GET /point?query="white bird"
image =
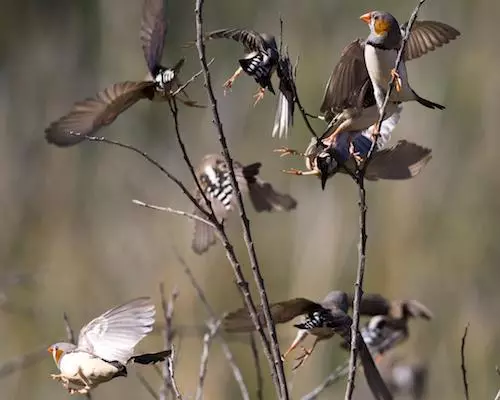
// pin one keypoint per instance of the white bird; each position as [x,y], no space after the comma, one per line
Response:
[105,347]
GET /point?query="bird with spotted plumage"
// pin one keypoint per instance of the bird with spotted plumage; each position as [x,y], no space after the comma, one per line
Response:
[214,178]
[105,347]
[86,117]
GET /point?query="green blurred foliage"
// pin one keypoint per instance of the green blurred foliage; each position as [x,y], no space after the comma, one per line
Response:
[69,223]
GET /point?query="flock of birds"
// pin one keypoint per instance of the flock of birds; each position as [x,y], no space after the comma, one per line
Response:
[353,97]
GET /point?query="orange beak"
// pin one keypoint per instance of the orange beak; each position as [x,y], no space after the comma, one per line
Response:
[366,17]
[49,349]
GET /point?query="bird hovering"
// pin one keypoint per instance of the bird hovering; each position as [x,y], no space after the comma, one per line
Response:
[105,347]
[356,88]
[88,116]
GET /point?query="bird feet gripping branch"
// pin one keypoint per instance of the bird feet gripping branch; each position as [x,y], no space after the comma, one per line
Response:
[398,83]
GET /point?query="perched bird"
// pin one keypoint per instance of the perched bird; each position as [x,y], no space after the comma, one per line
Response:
[322,320]
[404,160]
[354,93]
[88,116]
[260,60]
[215,181]
[105,347]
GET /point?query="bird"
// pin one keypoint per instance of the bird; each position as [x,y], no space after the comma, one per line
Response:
[403,160]
[260,60]
[407,378]
[283,119]
[322,320]
[354,92]
[214,178]
[86,117]
[105,347]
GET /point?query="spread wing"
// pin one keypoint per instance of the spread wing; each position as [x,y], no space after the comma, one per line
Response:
[88,116]
[113,335]
[347,79]
[427,36]
[253,41]
[153,31]
[282,312]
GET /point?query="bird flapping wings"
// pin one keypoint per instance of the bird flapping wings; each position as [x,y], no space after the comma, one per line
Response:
[152,33]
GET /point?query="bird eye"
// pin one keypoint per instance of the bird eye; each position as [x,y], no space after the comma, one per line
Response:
[375,17]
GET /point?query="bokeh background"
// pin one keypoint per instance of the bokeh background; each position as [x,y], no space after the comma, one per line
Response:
[72,241]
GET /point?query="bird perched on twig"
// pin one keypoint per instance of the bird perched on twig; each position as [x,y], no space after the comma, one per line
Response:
[322,320]
[356,88]
[404,160]
[214,178]
[105,347]
[260,60]
[88,116]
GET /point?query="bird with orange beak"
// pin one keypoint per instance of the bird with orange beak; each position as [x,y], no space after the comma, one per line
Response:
[105,347]
[357,86]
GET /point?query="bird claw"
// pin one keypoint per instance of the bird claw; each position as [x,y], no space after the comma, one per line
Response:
[228,85]
[258,96]
[293,171]
[285,151]
[398,83]
[355,154]
[302,358]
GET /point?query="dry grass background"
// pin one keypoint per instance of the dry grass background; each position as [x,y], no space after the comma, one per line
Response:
[68,222]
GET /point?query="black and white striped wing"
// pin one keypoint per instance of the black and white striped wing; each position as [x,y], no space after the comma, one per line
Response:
[251,40]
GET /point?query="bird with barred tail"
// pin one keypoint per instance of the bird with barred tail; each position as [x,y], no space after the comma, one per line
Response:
[105,347]
[356,88]
[323,320]
[88,116]
[215,181]
[404,160]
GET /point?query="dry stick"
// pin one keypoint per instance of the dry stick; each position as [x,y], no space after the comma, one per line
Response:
[258,368]
[462,364]
[238,376]
[191,80]
[275,361]
[207,341]
[168,312]
[338,373]
[71,338]
[358,287]
[145,384]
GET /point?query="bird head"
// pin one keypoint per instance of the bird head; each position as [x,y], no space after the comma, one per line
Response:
[59,349]
[384,28]
[327,165]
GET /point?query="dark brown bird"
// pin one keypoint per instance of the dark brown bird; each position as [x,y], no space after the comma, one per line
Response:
[260,60]
[214,178]
[355,92]
[88,116]
[285,108]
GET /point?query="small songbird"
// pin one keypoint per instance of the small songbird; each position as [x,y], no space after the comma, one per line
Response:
[215,181]
[354,93]
[407,378]
[404,160]
[105,347]
[260,60]
[382,46]
[283,119]
[88,116]
[322,320]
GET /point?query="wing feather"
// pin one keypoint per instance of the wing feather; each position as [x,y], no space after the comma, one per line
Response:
[153,31]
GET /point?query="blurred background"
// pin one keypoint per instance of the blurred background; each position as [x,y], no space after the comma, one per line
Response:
[72,241]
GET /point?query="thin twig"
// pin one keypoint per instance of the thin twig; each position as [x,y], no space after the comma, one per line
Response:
[207,341]
[339,372]
[145,384]
[275,361]
[462,363]
[258,368]
[71,338]
[238,376]
[497,397]
[18,363]
[190,80]
[168,368]
[173,211]
[358,287]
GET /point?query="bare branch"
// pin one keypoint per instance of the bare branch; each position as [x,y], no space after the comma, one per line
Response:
[225,348]
[191,80]
[275,361]
[358,287]
[173,211]
[462,364]
[258,368]
[170,364]
[207,340]
[145,384]
[338,373]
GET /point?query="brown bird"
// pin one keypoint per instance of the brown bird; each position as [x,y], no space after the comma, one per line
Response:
[356,88]
[322,320]
[88,116]
[260,60]
[214,178]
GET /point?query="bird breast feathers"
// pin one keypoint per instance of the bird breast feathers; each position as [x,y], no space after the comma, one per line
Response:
[92,367]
